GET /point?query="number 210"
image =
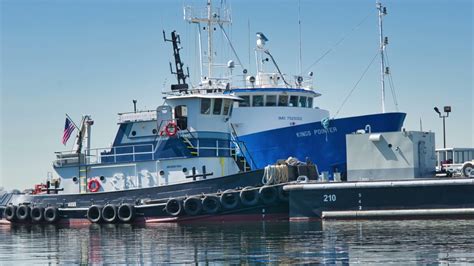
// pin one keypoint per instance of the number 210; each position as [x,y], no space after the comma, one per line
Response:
[329,197]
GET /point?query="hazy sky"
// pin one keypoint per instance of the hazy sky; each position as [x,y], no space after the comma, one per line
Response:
[95,56]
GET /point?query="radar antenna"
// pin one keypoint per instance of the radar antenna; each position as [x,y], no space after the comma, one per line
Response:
[182,86]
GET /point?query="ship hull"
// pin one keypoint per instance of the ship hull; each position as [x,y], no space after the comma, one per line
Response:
[324,146]
[150,203]
[418,198]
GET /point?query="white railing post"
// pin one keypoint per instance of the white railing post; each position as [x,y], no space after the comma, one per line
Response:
[133,153]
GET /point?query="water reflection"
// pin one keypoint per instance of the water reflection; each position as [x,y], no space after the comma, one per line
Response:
[264,242]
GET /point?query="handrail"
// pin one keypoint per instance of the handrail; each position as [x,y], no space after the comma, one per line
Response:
[238,142]
[96,156]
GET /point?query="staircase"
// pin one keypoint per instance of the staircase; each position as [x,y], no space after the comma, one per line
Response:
[192,149]
[242,163]
[82,177]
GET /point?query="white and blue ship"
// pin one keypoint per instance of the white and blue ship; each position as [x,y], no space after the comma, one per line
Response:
[279,115]
[175,163]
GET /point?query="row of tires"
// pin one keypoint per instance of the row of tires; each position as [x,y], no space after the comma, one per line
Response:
[125,213]
[228,200]
[111,213]
[25,213]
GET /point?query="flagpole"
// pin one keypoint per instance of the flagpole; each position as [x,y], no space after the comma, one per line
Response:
[70,119]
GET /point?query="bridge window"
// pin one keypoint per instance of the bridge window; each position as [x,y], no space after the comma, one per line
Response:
[257,100]
[294,101]
[310,102]
[302,101]
[283,100]
[271,100]
[217,107]
[227,104]
[205,106]
[245,102]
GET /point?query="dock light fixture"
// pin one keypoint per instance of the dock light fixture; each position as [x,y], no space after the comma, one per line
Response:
[447,110]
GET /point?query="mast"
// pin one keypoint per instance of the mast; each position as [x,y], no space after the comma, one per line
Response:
[300,61]
[382,12]
[210,18]
[209,39]
[182,86]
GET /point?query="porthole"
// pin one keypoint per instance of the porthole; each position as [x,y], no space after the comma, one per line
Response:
[185,170]
[102,178]
[74,179]
[134,133]
[162,172]
[154,131]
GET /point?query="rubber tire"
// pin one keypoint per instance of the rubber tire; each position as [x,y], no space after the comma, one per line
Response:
[247,192]
[268,195]
[51,214]
[23,213]
[465,169]
[126,213]
[109,217]
[192,206]
[94,214]
[173,207]
[211,204]
[10,213]
[229,195]
[37,214]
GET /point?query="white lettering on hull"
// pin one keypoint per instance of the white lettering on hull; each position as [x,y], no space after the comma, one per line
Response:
[315,132]
[291,118]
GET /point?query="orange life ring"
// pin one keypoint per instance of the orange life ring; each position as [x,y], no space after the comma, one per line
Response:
[171,129]
[93,185]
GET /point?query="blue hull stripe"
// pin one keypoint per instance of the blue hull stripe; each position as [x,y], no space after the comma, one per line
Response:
[326,148]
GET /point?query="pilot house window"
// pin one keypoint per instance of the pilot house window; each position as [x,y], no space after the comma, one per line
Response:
[217,107]
[302,101]
[293,101]
[257,100]
[245,102]
[271,100]
[283,100]
[205,106]
[227,104]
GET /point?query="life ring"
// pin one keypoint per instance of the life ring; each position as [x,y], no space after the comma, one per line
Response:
[171,129]
[93,185]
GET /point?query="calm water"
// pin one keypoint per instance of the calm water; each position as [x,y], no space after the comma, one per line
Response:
[446,241]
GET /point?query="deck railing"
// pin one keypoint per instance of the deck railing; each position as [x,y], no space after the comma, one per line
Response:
[129,153]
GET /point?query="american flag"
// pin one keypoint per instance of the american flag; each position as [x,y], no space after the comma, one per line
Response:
[68,129]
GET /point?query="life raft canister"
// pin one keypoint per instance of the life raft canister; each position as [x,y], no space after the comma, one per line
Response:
[93,185]
[171,129]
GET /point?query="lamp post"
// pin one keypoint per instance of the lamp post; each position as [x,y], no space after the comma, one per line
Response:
[447,110]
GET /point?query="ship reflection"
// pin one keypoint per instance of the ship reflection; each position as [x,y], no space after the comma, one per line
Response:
[340,242]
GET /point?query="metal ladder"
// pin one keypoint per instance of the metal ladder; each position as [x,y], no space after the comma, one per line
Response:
[82,175]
